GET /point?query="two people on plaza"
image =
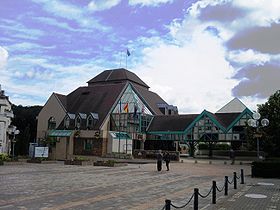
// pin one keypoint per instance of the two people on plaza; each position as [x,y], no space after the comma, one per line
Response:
[160,158]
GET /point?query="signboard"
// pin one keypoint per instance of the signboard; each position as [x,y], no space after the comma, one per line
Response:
[41,151]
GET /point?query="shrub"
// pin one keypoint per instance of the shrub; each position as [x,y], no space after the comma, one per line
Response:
[4,157]
[80,158]
[266,169]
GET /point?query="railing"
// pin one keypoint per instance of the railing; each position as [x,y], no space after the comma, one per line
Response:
[196,194]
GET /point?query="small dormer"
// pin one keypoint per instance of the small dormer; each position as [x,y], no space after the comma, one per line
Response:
[51,123]
[80,121]
[92,120]
[69,121]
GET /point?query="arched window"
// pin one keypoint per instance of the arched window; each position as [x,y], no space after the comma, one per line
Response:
[51,123]
[78,122]
[67,122]
[90,122]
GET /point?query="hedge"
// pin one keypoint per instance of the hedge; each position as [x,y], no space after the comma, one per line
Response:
[266,169]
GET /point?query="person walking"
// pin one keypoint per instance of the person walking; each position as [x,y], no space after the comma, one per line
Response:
[232,156]
[159,160]
[167,160]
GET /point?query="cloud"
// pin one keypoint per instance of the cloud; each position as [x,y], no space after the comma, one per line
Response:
[248,57]
[152,3]
[3,57]
[258,81]
[72,12]
[99,5]
[262,39]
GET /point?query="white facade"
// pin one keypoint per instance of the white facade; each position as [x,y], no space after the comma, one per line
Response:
[6,114]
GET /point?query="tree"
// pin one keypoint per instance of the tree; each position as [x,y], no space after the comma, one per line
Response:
[271,137]
[25,120]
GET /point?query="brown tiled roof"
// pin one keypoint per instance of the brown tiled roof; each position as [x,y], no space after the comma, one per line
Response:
[171,122]
[62,99]
[226,118]
[98,99]
[151,98]
[116,76]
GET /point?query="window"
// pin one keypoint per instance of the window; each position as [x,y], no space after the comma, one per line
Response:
[88,144]
[51,123]
[90,122]
[78,122]
[67,122]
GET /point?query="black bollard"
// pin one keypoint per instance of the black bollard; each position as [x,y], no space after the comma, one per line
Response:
[195,202]
[214,187]
[167,204]
[226,185]
[234,180]
[242,176]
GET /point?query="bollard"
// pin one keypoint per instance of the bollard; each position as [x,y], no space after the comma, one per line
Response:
[195,202]
[226,185]
[242,176]
[214,187]
[234,180]
[167,204]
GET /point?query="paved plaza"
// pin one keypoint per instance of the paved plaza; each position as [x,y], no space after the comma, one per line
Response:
[136,186]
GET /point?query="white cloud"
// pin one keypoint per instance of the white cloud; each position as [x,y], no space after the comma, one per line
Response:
[3,57]
[152,3]
[194,75]
[248,57]
[99,5]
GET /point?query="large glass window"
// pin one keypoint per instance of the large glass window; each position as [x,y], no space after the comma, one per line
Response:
[51,123]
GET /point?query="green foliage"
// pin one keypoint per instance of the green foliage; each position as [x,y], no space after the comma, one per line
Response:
[270,141]
[25,120]
[4,157]
[203,146]
[81,158]
[266,169]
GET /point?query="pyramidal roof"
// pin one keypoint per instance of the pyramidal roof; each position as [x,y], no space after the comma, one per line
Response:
[235,105]
[116,76]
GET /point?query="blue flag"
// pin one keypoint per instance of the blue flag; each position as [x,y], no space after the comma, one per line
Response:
[127,52]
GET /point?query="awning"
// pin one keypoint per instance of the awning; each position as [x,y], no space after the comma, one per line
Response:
[60,133]
[119,135]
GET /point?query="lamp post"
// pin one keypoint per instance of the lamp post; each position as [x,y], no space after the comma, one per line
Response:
[12,130]
[257,122]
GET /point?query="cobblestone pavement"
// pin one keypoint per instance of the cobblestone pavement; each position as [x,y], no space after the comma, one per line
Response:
[136,186]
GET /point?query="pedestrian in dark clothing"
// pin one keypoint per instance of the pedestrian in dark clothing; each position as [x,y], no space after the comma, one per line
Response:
[232,156]
[166,158]
[159,161]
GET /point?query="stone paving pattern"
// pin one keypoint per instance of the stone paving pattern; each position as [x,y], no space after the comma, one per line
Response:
[136,186]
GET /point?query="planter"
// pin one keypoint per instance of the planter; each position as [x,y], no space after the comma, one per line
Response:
[266,169]
[33,161]
[77,162]
[109,164]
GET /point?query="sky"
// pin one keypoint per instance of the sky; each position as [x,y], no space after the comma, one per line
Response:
[196,54]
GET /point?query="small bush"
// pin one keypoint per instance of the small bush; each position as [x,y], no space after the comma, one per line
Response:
[81,158]
[4,157]
[266,169]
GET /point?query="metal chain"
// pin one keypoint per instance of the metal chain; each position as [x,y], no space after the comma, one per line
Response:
[183,206]
[231,181]
[237,177]
[205,196]
[221,189]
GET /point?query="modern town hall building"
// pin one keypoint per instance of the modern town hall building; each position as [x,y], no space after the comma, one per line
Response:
[117,113]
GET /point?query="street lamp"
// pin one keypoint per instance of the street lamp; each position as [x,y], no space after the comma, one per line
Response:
[257,123]
[12,130]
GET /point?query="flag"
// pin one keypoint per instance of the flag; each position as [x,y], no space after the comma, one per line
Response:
[127,52]
[125,108]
